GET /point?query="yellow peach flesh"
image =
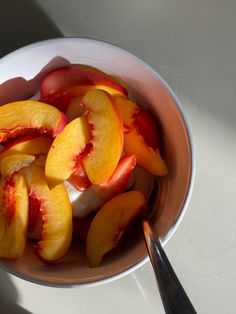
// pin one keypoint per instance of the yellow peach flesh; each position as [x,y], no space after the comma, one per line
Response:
[20,117]
[110,222]
[14,163]
[134,143]
[148,158]
[64,151]
[57,226]
[128,109]
[13,216]
[81,90]
[56,214]
[107,136]
[37,145]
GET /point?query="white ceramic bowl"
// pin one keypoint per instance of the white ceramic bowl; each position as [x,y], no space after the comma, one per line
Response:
[20,74]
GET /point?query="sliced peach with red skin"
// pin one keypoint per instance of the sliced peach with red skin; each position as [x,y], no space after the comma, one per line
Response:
[56,212]
[34,214]
[65,151]
[10,165]
[77,74]
[147,127]
[148,157]
[14,163]
[31,145]
[13,216]
[60,100]
[23,117]
[134,116]
[107,136]
[119,179]
[35,218]
[128,110]
[110,222]
[57,227]
[81,90]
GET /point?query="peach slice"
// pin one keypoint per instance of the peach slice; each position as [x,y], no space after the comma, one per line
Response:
[56,212]
[35,218]
[107,136]
[81,90]
[77,74]
[110,222]
[31,145]
[66,150]
[22,117]
[57,226]
[128,110]
[147,127]
[13,216]
[134,116]
[148,157]
[119,179]
[14,163]
[60,100]
[75,109]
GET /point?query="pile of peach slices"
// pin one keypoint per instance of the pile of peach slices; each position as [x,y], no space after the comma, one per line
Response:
[83,130]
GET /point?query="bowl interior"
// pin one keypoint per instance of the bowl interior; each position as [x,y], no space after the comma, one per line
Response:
[148,88]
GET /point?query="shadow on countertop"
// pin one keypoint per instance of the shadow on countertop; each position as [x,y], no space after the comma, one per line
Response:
[9,296]
[23,22]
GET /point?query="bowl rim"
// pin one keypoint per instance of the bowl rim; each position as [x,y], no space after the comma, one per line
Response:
[178,104]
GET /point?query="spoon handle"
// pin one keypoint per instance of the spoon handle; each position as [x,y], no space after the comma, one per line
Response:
[173,296]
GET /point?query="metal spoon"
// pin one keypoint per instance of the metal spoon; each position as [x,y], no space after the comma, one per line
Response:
[174,298]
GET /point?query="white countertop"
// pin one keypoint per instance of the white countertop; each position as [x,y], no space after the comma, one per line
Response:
[192,44]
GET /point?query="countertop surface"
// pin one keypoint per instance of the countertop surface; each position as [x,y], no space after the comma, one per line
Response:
[192,44]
